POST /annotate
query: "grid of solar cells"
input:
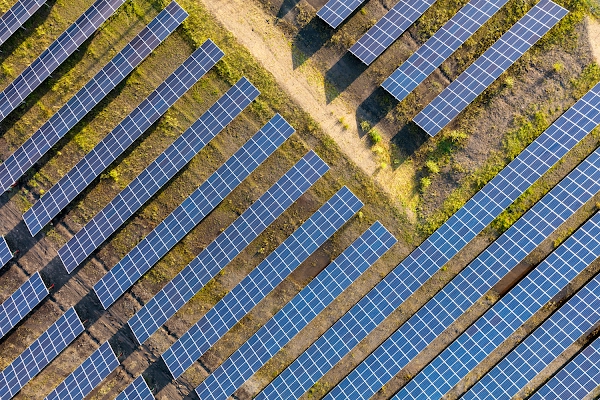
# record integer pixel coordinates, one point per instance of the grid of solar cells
(296, 314)
(503, 319)
(266, 276)
(442, 245)
(335, 11)
(487, 68)
(39, 354)
(577, 379)
(127, 132)
(439, 47)
(87, 376)
(193, 209)
(5, 253)
(56, 54)
(388, 29)
(159, 172)
(90, 95)
(14, 18)
(540, 348)
(227, 245)
(138, 390)
(21, 302)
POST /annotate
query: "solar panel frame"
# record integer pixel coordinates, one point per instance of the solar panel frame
(158, 173)
(5, 254)
(336, 11)
(122, 136)
(21, 302)
(487, 68)
(192, 210)
(140, 47)
(137, 390)
(261, 281)
(16, 16)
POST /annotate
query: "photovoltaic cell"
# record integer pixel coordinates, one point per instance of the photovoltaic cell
(335, 11)
(506, 316)
(5, 253)
(185, 217)
(487, 68)
(127, 132)
(266, 276)
(14, 18)
(21, 302)
(442, 245)
(439, 47)
(40, 353)
(56, 54)
(542, 347)
(227, 246)
(388, 29)
(142, 188)
(296, 314)
(90, 95)
(138, 390)
(87, 376)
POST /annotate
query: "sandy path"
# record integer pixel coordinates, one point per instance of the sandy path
(594, 37)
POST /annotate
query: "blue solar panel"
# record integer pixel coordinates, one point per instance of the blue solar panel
(5, 253)
(90, 95)
(444, 243)
(388, 29)
(23, 300)
(128, 131)
(39, 354)
(487, 68)
(87, 376)
(266, 276)
(439, 47)
(577, 379)
(189, 214)
(540, 348)
(142, 188)
(14, 18)
(56, 54)
(296, 314)
(335, 11)
(227, 246)
(138, 390)
(496, 325)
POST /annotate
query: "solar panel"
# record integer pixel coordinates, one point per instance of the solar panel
(23, 300)
(90, 95)
(87, 376)
(540, 348)
(185, 217)
(487, 68)
(5, 253)
(14, 18)
(227, 246)
(128, 131)
(40, 353)
(264, 278)
(159, 172)
(296, 314)
(56, 54)
(335, 11)
(503, 319)
(438, 47)
(577, 379)
(138, 390)
(388, 29)
(444, 243)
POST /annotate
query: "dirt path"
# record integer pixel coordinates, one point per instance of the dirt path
(593, 26)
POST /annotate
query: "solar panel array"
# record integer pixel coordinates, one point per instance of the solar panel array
(21, 302)
(487, 68)
(439, 47)
(540, 348)
(5, 253)
(577, 379)
(138, 390)
(56, 54)
(388, 29)
(90, 95)
(266, 276)
(335, 11)
(14, 18)
(296, 314)
(128, 131)
(227, 246)
(40, 353)
(442, 245)
(87, 376)
(159, 172)
(193, 209)
(503, 319)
